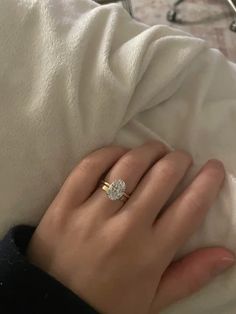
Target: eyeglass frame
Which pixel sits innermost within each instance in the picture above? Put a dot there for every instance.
(172, 15)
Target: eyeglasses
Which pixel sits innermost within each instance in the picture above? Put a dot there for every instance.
(174, 14)
(125, 3)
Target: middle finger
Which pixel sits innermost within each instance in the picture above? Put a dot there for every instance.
(157, 186)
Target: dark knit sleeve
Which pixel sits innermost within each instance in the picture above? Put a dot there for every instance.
(24, 288)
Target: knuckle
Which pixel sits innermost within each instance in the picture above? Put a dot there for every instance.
(96, 159)
(160, 145)
(89, 163)
(131, 161)
(114, 245)
(185, 156)
(169, 169)
(175, 164)
(195, 202)
(124, 230)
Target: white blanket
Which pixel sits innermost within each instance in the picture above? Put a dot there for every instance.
(75, 76)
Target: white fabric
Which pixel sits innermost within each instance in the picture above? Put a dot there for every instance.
(75, 76)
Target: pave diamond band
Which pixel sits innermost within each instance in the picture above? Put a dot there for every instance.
(115, 190)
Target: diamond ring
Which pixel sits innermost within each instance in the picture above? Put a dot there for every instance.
(115, 190)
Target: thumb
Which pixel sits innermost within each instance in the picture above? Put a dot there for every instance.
(189, 274)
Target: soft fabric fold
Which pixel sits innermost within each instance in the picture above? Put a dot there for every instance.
(76, 76)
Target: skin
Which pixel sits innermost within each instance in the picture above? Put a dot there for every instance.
(118, 256)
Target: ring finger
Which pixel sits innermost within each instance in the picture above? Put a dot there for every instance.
(130, 168)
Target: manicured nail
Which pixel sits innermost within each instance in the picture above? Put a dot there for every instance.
(223, 264)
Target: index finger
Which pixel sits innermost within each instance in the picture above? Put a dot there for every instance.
(188, 211)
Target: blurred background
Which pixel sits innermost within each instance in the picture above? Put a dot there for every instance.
(207, 19)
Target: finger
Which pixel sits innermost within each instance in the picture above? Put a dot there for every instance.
(187, 212)
(190, 274)
(157, 186)
(84, 179)
(130, 168)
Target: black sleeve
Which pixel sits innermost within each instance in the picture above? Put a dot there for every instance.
(25, 289)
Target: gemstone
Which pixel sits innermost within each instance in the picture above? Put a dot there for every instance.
(116, 190)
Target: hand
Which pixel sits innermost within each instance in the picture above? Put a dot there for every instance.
(118, 256)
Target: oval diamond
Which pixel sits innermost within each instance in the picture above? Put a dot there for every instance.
(116, 189)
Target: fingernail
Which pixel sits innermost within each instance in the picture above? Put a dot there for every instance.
(223, 264)
(216, 164)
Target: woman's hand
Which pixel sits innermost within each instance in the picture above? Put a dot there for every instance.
(117, 256)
